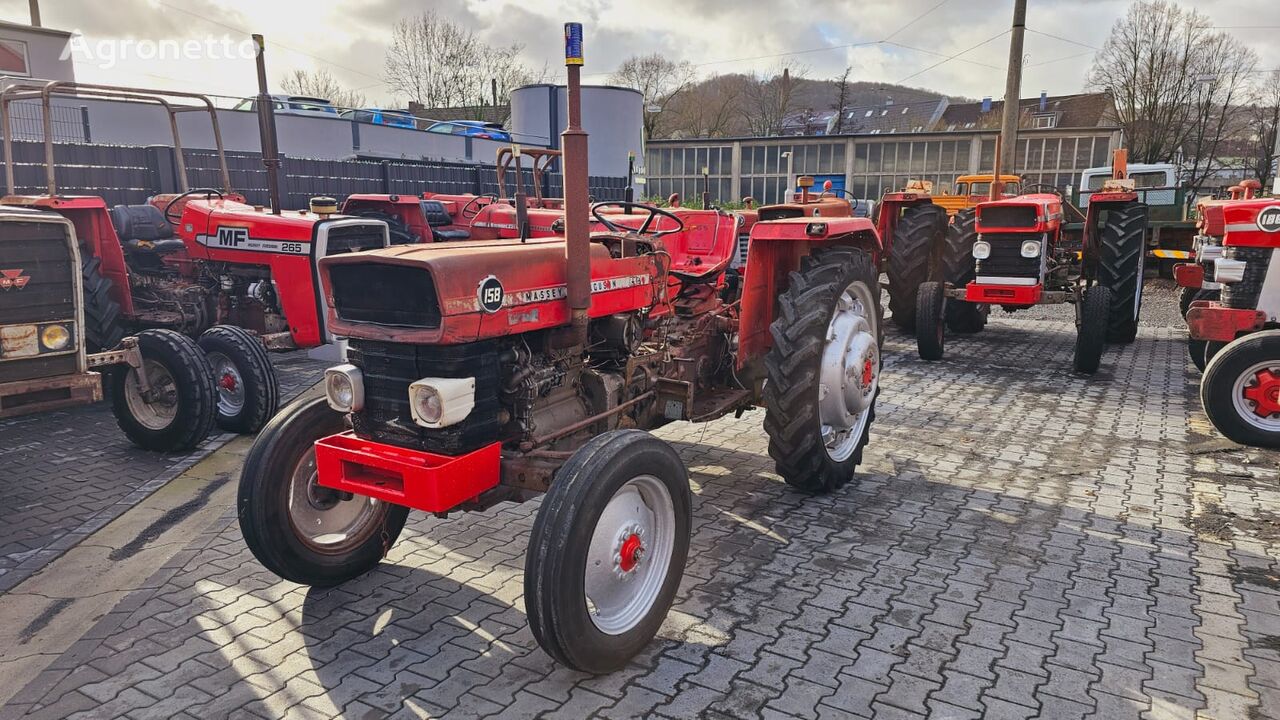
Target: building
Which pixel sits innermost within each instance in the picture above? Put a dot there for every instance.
(879, 156)
(40, 53)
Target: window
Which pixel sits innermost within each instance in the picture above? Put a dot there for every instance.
(883, 113)
(904, 111)
(13, 58)
(869, 113)
(245, 104)
(1044, 122)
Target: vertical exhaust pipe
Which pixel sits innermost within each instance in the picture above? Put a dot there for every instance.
(267, 127)
(577, 227)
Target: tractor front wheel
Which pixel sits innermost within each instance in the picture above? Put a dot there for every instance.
(917, 242)
(931, 308)
(1240, 390)
(960, 269)
(824, 369)
(174, 409)
(296, 528)
(1122, 248)
(243, 376)
(608, 550)
(1091, 329)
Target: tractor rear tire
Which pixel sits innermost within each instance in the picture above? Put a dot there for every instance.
(243, 377)
(959, 269)
(103, 326)
(1091, 330)
(1121, 252)
(1190, 295)
(1196, 351)
(931, 308)
(297, 529)
(917, 243)
(180, 414)
(1241, 383)
(826, 333)
(608, 550)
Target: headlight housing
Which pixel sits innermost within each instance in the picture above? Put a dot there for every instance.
(981, 250)
(1228, 271)
(344, 388)
(441, 402)
(1209, 253)
(1031, 249)
(55, 337)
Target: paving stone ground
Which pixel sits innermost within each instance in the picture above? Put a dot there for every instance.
(69, 473)
(1021, 542)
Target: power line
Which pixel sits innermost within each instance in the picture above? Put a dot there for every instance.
(1002, 33)
(938, 54)
(1056, 60)
(917, 19)
(1066, 40)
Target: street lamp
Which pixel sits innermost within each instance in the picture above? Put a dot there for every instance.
(791, 182)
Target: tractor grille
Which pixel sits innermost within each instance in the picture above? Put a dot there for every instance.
(344, 239)
(385, 294)
(1243, 295)
(389, 368)
(1006, 257)
(36, 254)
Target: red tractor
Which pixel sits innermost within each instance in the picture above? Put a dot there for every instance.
(482, 372)
(1013, 252)
(202, 262)
(1240, 389)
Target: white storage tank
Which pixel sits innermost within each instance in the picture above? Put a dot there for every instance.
(612, 116)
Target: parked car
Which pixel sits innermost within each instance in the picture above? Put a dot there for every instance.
(472, 128)
(394, 118)
(292, 105)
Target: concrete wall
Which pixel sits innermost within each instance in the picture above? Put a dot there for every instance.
(613, 118)
(44, 51)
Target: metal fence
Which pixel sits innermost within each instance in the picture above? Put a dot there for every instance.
(129, 174)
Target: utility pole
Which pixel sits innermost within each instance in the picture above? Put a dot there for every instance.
(35, 12)
(1013, 91)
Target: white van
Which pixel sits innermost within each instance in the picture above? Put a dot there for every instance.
(1156, 183)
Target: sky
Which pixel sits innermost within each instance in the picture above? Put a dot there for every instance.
(892, 41)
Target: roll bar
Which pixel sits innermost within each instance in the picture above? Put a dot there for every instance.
(542, 159)
(46, 92)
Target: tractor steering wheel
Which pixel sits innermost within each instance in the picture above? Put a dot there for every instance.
(168, 208)
(652, 211)
(463, 212)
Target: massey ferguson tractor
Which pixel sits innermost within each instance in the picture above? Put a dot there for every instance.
(163, 396)
(501, 370)
(1240, 389)
(1012, 252)
(201, 262)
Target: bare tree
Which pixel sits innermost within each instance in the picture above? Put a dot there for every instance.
(842, 99)
(1264, 116)
(1174, 81)
(320, 84)
(439, 63)
(771, 98)
(659, 79)
(711, 108)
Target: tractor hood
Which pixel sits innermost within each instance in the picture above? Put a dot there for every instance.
(457, 292)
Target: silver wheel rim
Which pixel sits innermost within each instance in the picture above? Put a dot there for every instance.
(1244, 407)
(163, 408)
(850, 372)
(320, 515)
(629, 555)
(230, 384)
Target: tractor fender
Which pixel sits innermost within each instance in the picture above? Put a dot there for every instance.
(774, 251)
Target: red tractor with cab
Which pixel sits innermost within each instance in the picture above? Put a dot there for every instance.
(201, 262)
(483, 371)
(1013, 252)
(1240, 330)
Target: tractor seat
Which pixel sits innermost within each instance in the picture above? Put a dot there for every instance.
(438, 217)
(143, 228)
(702, 251)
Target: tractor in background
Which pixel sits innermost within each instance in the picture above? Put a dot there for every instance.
(1240, 388)
(1018, 256)
(483, 372)
(163, 398)
(200, 262)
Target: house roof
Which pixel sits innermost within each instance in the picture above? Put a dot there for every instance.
(5, 25)
(1074, 111)
(885, 119)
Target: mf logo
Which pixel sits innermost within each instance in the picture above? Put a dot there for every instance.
(1269, 219)
(232, 236)
(490, 294)
(13, 279)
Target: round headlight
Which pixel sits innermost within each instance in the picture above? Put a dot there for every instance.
(1031, 249)
(344, 388)
(340, 390)
(982, 250)
(427, 403)
(55, 337)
